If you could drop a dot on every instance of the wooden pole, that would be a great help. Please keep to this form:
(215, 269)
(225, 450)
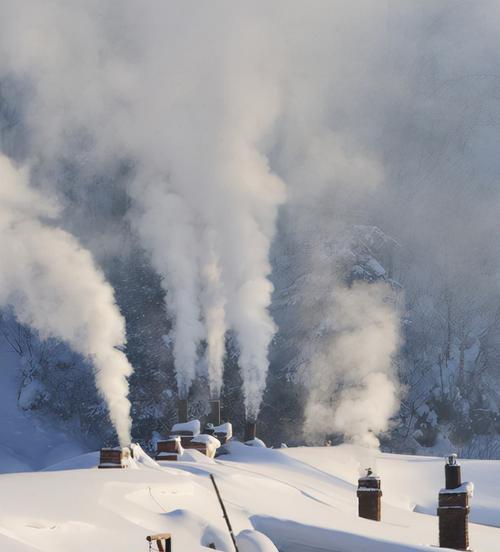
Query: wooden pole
(166, 537)
(224, 513)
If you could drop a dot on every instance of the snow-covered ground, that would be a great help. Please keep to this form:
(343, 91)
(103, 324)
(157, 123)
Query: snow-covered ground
(26, 443)
(301, 499)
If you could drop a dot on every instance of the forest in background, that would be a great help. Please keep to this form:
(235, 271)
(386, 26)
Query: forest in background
(393, 180)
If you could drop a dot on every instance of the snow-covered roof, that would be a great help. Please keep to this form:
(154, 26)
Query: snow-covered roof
(226, 428)
(193, 426)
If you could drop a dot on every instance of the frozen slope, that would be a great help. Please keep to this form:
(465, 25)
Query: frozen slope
(26, 443)
(301, 499)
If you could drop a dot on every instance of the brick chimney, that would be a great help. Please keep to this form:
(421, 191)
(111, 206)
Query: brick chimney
(214, 416)
(369, 496)
(250, 430)
(182, 410)
(453, 509)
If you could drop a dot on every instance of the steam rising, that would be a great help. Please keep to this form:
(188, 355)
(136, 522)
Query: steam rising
(355, 369)
(192, 120)
(214, 309)
(233, 116)
(54, 286)
(214, 109)
(174, 254)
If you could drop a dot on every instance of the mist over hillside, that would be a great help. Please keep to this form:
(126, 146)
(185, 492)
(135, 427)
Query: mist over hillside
(293, 205)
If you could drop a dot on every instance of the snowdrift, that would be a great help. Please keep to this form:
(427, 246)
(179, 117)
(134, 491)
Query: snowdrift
(291, 500)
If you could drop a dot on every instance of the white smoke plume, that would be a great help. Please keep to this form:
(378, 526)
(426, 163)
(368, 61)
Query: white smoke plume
(226, 110)
(175, 255)
(214, 308)
(192, 109)
(53, 285)
(353, 388)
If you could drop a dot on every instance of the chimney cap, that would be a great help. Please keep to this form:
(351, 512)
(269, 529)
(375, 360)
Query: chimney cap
(451, 459)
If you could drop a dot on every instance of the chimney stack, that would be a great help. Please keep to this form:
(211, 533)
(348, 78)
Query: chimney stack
(369, 497)
(182, 410)
(453, 509)
(250, 430)
(452, 473)
(114, 457)
(214, 417)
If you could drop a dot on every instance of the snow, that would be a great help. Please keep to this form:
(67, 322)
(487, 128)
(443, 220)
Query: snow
(12, 545)
(26, 441)
(375, 267)
(193, 426)
(255, 443)
(226, 428)
(465, 488)
(253, 541)
(208, 440)
(211, 443)
(30, 394)
(140, 457)
(289, 499)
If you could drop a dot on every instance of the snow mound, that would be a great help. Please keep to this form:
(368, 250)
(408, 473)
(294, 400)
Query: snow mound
(206, 440)
(143, 459)
(10, 545)
(26, 441)
(226, 428)
(191, 455)
(288, 499)
(258, 443)
(209, 441)
(253, 541)
(81, 462)
(192, 426)
(10, 462)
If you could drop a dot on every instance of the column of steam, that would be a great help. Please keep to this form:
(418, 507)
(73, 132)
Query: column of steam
(174, 256)
(246, 261)
(53, 285)
(214, 314)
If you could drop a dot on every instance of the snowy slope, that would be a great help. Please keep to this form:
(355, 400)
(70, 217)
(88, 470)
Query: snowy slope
(26, 443)
(301, 499)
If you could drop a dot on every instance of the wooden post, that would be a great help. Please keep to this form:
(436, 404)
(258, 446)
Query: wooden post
(165, 546)
(224, 512)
